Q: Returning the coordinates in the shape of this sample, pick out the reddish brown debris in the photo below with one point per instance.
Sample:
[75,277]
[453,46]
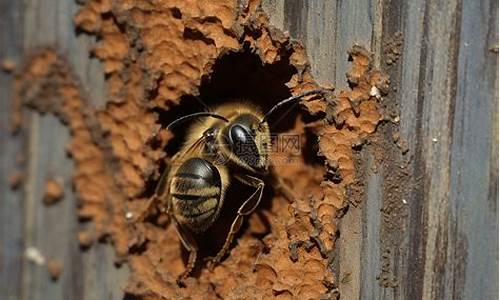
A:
[53,192]
[16,179]
[55,268]
[85,239]
[8,65]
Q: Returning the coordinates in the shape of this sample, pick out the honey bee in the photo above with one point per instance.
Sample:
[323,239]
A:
[232,144]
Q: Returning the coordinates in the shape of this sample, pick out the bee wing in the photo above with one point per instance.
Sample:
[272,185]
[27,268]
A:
[191,149]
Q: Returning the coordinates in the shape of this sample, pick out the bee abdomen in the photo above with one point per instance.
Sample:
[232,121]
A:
[186,188]
[196,187]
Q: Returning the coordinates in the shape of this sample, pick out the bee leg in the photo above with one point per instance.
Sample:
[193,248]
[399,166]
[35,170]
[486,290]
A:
[159,194]
[253,201]
[190,244]
[212,261]
[245,209]
[281,186]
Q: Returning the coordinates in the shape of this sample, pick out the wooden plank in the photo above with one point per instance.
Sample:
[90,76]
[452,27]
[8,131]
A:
[11,205]
[436,249]
[26,222]
[89,275]
[329,29]
[446,94]
[50,229]
[474,157]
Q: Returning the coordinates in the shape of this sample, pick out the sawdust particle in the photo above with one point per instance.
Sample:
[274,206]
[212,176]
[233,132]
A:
[53,192]
[55,268]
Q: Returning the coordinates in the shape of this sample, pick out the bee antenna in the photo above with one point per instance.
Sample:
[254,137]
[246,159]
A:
[290,99]
[195,115]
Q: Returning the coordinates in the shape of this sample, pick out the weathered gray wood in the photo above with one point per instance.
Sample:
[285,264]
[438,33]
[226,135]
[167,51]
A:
[474,155]
[329,29]
[11,206]
[445,88]
[26,221]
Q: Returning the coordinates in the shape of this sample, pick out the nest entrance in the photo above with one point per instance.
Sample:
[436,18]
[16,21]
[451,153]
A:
[237,76]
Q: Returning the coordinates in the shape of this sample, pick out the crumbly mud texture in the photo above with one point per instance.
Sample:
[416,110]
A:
[162,61]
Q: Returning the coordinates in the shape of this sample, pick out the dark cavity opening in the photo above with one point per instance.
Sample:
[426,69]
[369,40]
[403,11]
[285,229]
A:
[176,13]
[235,76]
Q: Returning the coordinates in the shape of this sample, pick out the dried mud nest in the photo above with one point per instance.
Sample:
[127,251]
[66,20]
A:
[160,60]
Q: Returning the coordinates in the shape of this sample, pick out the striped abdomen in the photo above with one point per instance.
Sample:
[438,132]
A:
[196,191]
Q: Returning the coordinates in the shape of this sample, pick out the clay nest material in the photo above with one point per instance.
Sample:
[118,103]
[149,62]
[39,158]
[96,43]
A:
[161,60]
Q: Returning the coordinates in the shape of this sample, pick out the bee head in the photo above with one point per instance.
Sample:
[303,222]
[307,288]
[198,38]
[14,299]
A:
[249,141]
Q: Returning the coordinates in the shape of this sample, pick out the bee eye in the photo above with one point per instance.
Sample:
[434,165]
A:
[243,145]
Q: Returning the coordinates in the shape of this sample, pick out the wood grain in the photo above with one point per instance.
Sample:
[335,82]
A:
[433,235]
[445,92]
[25,220]
[11,204]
